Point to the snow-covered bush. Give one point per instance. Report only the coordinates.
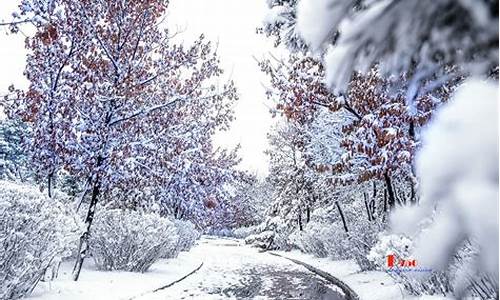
(187, 234)
(221, 232)
(186, 238)
(130, 240)
(35, 233)
(244, 232)
(262, 240)
(273, 233)
(325, 235)
(321, 240)
(398, 245)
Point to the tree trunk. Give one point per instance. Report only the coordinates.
(391, 201)
(50, 179)
(367, 206)
(374, 189)
(301, 228)
(373, 209)
(413, 194)
(84, 246)
(342, 217)
(385, 206)
(308, 214)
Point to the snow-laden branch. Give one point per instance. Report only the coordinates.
(106, 51)
(144, 111)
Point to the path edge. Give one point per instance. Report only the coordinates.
(348, 291)
(168, 285)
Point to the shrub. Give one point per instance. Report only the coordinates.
(186, 238)
(262, 240)
(272, 234)
(244, 232)
(130, 240)
(187, 234)
(321, 240)
(35, 232)
(220, 232)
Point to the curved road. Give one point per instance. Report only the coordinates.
(234, 271)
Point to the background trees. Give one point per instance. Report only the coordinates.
(13, 158)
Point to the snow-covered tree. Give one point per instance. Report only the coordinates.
(250, 201)
(372, 133)
(47, 106)
(113, 102)
(14, 163)
(459, 170)
(294, 195)
(280, 24)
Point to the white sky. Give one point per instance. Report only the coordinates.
(231, 23)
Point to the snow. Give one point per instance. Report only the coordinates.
(458, 165)
(372, 285)
(223, 260)
(276, 14)
(94, 284)
(317, 19)
(369, 285)
(228, 264)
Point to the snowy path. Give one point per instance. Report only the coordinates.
(234, 271)
(230, 270)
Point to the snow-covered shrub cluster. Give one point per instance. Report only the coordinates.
(129, 240)
(263, 235)
(244, 232)
(262, 240)
(187, 234)
(36, 232)
(273, 233)
(398, 245)
(321, 240)
(322, 234)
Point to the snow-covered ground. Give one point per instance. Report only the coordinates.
(233, 270)
(371, 285)
(230, 270)
(98, 285)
